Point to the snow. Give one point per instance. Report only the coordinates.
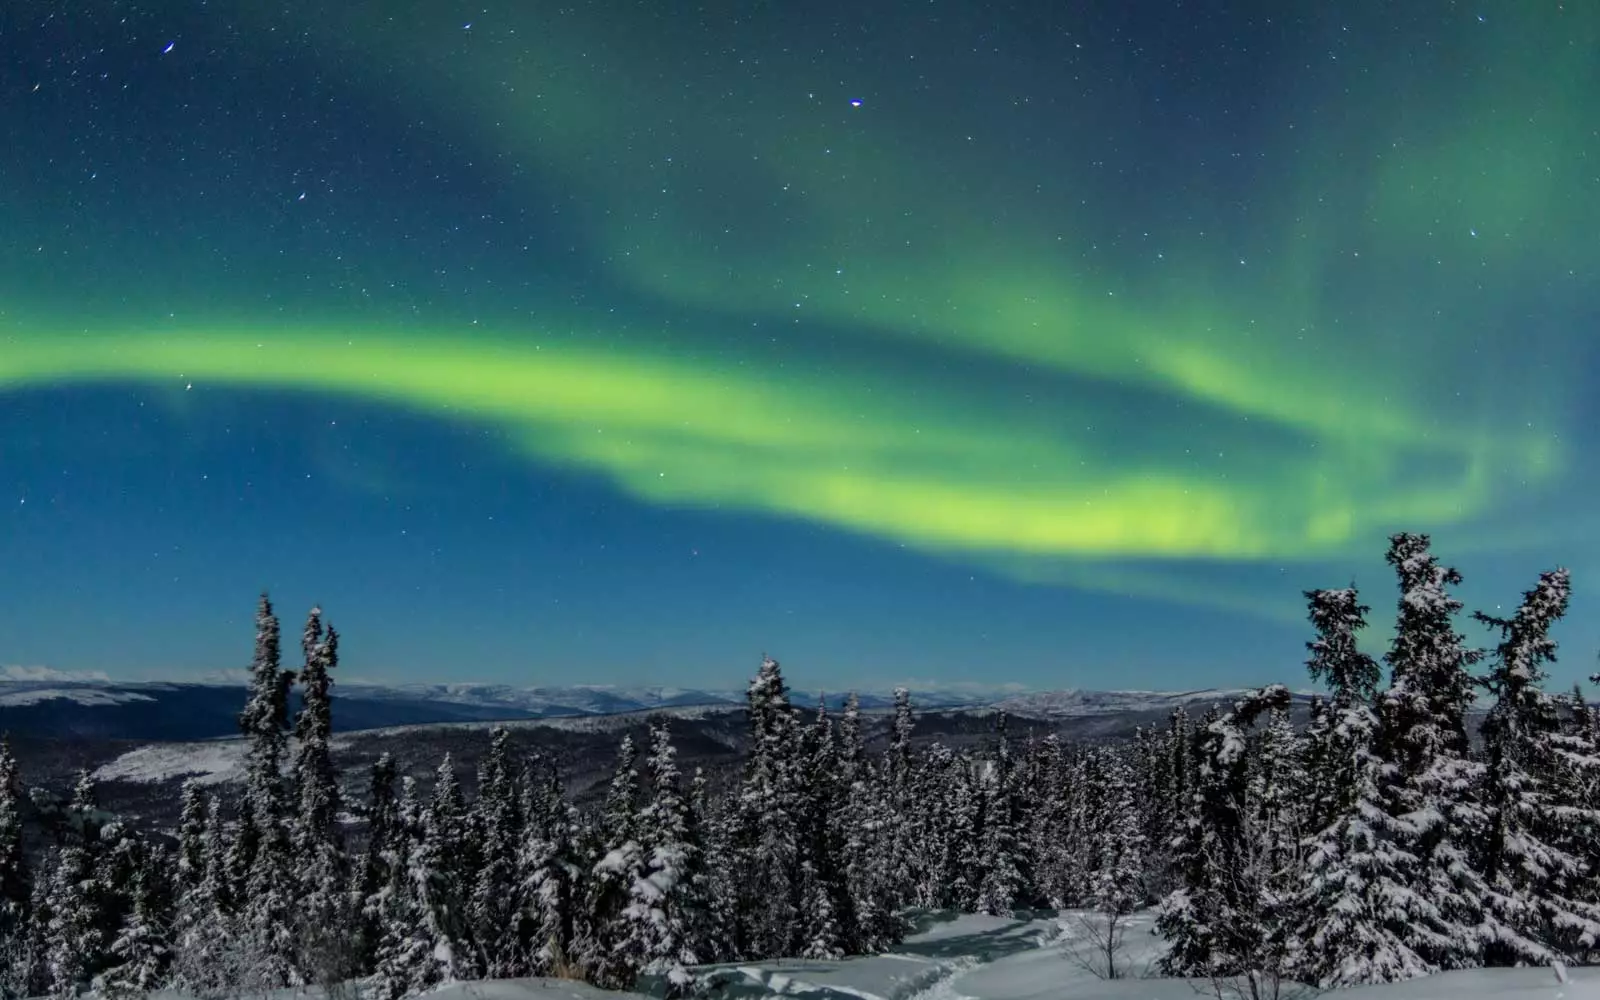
(209, 762)
(974, 957)
(87, 696)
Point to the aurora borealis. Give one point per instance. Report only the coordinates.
(1054, 343)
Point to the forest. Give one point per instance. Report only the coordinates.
(1440, 814)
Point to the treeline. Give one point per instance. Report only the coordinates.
(1378, 842)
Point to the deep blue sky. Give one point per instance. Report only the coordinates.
(1061, 345)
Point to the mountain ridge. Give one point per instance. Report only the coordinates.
(186, 710)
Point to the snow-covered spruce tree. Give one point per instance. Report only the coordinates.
(496, 902)
(1117, 883)
(141, 950)
(551, 867)
(374, 869)
(875, 923)
(666, 904)
(1277, 791)
(823, 896)
(765, 830)
(1534, 906)
(712, 943)
(1432, 793)
(262, 861)
(204, 926)
(15, 883)
(898, 774)
(1001, 849)
(1049, 829)
(619, 866)
(411, 956)
(1216, 922)
(439, 879)
(1356, 902)
(74, 942)
(191, 859)
(325, 949)
(933, 866)
(263, 723)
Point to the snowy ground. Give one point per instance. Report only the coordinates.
(990, 958)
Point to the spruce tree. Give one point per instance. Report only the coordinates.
(74, 942)
(1118, 882)
(1218, 921)
(1002, 875)
(552, 879)
(140, 951)
(318, 848)
(620, 864)
(15, 884)
(495, 902)
(413, 955)
(438, 877)
(765, 835)
(1431, 795)
(374, 875)
(1534, 906)
(1356, 908)
(667, 903)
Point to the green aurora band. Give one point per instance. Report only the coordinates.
(1286, 389)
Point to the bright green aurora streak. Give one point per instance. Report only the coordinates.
(1278, 379)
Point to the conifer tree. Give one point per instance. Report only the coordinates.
(1356, 907)
(1423, 717)
(437, 878)
(15, 884)
(1215, 921)
(74, 942)
(552, 878)
(667, 901)
(204, 924)
(140, 950)
(374, 875)
(318, 847)
(413, 954)
(765, 835)
(191, 860)
(1002, 874)
(620, 865)
(1118, 882)
(1534, 884)
(495, 902)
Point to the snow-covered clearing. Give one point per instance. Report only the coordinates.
(974, 957)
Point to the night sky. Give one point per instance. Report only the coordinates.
(1057, 343)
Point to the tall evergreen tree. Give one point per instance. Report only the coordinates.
(74, 942)
(1431, 796)
(664, 915)
(765, 834)
(1357, 906)
(1002, 873)
(1219, 919)
(619, 866)
(15, 884)
(495, 903)
(1535, 910)
(375, 875)
(552, 878)
(140, 951)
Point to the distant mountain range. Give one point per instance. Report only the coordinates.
(99, 708)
